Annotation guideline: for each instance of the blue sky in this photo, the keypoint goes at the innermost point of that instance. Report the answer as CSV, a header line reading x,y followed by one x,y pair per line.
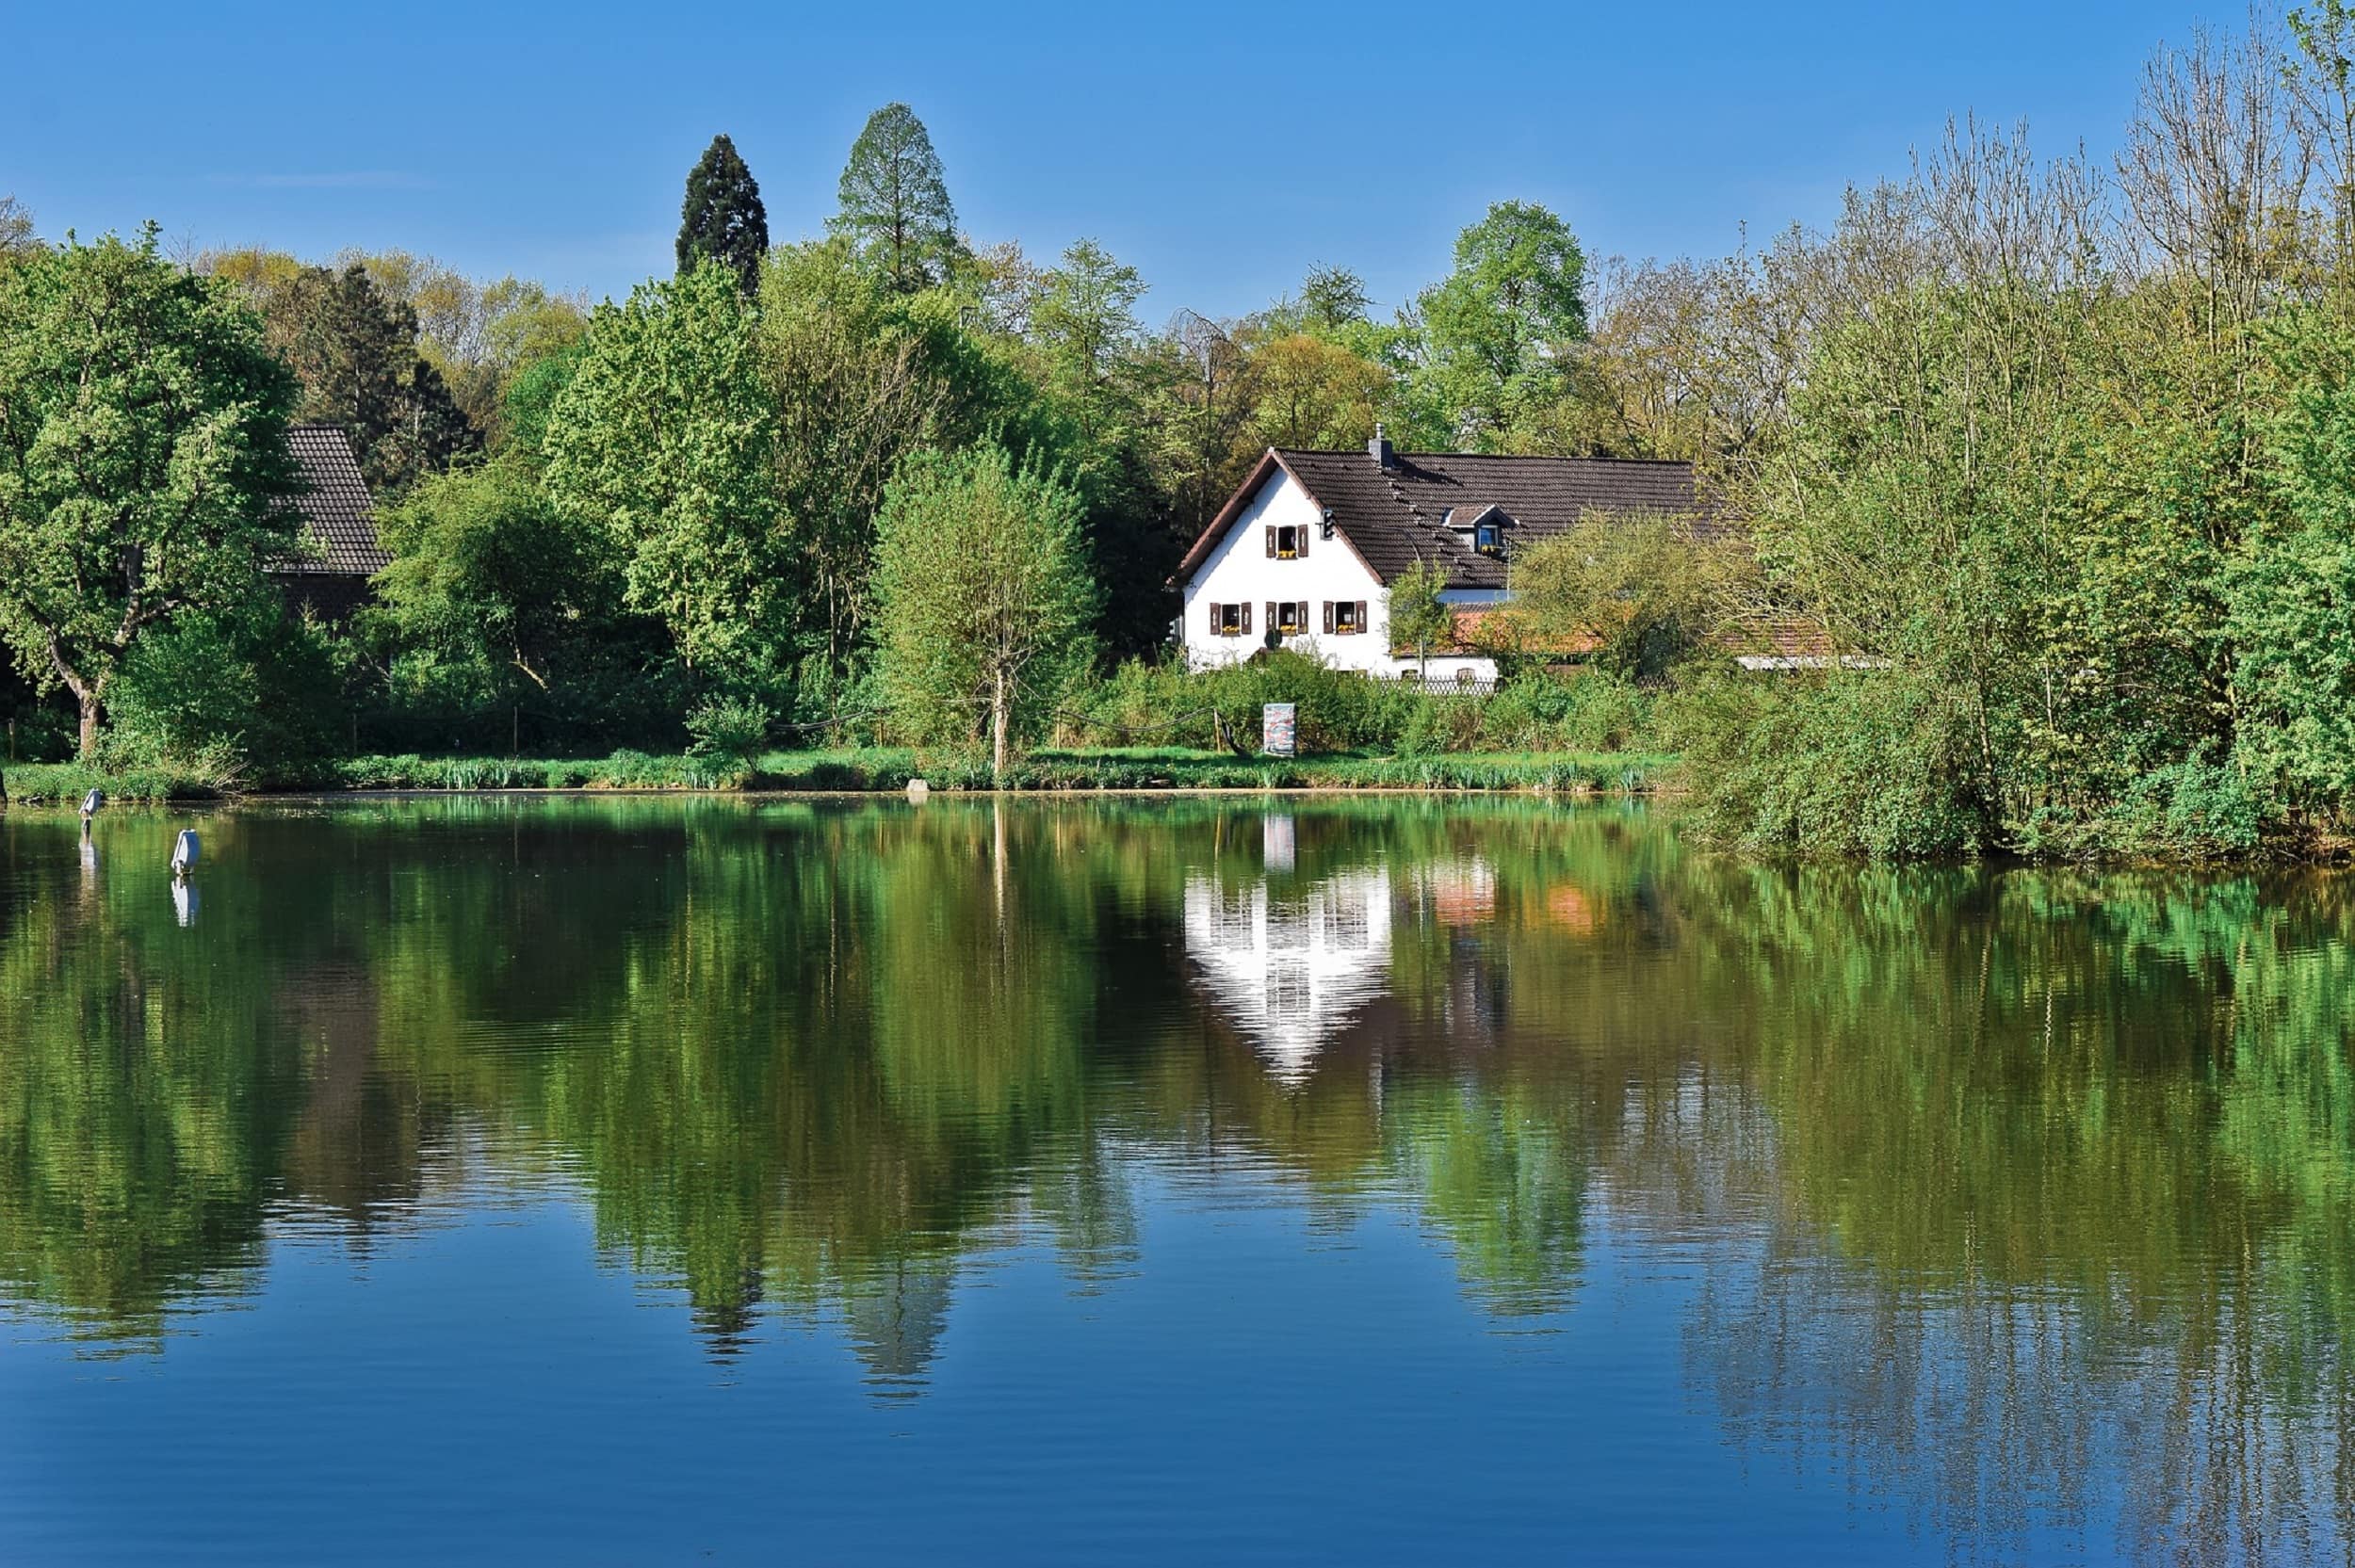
x,y
1220,147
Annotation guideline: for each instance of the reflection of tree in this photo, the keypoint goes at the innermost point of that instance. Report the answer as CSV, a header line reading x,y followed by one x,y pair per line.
x,y
1997,1172
138,1145
2089,1197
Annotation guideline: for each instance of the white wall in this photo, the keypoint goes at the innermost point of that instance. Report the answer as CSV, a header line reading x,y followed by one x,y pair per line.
x,y
1240,571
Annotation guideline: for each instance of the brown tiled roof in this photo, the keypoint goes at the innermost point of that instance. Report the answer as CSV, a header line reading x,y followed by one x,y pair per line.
x,y
1396,516
336,513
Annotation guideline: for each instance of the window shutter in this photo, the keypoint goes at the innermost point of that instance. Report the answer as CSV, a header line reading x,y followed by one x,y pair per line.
x,y
1328,618
1272,622
1361,615
1271,544
1218,622
1301,535
1246,619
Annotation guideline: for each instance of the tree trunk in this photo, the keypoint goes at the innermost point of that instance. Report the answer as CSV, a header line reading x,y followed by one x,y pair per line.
x,y
997,730
89,746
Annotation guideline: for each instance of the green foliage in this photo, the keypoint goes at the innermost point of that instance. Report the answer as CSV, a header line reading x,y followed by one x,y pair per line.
x,y
143,467
355,352
2289,590
733,729
722,219
894,203
857,377
667,438
1634,593
1420,619
1497,329
1341,710
528,407
500,603
249,693
984,597
1860,764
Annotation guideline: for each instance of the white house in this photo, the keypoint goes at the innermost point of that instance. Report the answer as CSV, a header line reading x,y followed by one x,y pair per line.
x,y
1303,553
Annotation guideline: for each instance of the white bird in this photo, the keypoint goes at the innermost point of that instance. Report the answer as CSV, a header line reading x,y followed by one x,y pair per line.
x,y
184,852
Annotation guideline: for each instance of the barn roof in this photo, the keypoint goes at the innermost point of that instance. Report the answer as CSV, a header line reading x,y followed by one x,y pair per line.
x,y
337,510
1399,514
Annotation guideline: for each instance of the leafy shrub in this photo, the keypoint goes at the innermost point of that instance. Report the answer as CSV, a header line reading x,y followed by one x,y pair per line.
x,y
2193,807
1857,764
215,695
730,729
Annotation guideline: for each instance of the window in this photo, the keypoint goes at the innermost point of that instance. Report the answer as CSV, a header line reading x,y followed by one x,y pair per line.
x,y
1287,543
1346,618
1290,619
1488,541
1230,620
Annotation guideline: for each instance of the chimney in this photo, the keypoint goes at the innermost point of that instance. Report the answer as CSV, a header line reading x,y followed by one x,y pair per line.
x,y
1380,448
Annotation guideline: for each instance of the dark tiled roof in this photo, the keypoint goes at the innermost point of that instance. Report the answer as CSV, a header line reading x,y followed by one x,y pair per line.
x,y
1392,516
337,512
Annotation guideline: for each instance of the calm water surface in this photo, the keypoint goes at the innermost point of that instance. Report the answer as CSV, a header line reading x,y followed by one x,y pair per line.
x,y
1185,1181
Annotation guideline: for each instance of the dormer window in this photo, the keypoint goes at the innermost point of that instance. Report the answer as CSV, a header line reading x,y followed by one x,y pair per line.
x,y
1482,531
1287,543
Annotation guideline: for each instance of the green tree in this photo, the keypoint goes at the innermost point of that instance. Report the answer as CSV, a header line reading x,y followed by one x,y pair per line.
x,y
491,584
984,597
477,336
143,464
1497,329
1332,299
894,201
667,437
723,219
1636,591
1086,322
1313,392
356,354
16,230
858,376
2290,587
1420,619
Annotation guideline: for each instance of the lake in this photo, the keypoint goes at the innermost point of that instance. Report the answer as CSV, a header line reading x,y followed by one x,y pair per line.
x,y
1172,1180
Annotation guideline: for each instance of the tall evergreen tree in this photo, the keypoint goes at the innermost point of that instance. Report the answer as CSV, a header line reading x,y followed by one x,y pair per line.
x,y
896,210
722,219
356,354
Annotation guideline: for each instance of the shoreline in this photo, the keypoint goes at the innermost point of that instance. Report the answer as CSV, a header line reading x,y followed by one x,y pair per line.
x,y
875,772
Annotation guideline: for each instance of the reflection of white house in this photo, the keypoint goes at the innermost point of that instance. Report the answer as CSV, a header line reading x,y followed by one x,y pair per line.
x,y
1289,971
1305,553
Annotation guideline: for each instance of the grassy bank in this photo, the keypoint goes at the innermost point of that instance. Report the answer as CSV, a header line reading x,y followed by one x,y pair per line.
x,y
888,769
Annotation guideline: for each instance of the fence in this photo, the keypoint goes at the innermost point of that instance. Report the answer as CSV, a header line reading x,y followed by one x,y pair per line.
x,y
1441,684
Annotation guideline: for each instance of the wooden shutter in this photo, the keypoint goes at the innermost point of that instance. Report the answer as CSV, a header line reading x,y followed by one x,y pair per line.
x,y
1328,618
1361,615
1271,544
1218,621
1301,535
1247,618
1272,622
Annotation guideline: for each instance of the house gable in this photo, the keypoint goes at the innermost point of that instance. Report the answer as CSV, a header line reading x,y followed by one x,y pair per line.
x,y
1243,565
